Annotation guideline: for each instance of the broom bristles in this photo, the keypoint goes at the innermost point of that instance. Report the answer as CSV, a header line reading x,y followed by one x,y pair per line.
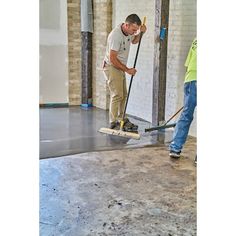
x,y
119,133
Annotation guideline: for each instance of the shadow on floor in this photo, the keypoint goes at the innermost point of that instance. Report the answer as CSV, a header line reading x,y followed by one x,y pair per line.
x,y
73,130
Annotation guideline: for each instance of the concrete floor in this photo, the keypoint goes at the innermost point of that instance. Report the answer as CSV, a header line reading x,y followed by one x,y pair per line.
x,y
137,191
123,192
66,131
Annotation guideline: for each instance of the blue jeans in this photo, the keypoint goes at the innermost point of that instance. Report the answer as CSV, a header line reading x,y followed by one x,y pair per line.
x,y
186,117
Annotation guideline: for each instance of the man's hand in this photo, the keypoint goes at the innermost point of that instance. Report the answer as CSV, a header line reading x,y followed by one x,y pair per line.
x,y
131,71
143,28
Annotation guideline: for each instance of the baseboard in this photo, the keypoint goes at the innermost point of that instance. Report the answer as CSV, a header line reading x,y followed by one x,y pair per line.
x,y
53,105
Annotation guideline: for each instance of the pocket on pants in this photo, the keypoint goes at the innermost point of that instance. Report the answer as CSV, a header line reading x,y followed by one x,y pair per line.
x,y
115,82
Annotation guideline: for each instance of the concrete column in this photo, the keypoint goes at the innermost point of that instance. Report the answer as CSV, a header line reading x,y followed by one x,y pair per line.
x,y
86,65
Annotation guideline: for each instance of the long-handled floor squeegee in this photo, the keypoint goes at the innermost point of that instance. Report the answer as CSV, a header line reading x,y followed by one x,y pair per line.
x,y
121,131
165,125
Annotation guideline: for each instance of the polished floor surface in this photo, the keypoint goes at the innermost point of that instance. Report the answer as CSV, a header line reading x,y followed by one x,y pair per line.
x,y
66,131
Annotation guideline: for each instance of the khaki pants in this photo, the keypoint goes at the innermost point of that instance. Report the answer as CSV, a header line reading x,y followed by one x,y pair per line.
x,y
118,92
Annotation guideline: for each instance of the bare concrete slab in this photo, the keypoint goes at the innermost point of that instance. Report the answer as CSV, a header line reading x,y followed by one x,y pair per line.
x,y
131,192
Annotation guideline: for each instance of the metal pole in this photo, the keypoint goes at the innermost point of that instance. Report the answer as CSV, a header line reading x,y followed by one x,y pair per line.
x,y
86,45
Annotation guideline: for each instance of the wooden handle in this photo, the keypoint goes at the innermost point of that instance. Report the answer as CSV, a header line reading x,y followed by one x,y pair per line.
x,y
144,20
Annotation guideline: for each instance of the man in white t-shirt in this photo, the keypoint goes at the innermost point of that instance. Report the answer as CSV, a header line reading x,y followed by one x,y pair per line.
x,y
114,66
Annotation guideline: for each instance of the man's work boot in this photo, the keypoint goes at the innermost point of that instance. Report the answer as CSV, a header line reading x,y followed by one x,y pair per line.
x,y
114,125
129,126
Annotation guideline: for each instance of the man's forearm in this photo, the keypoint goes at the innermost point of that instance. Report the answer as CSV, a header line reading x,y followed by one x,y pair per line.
x,y
116,63
137,37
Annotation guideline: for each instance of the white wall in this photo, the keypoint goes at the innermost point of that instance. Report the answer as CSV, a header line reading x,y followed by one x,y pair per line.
x,y
140,101
53,52
182,30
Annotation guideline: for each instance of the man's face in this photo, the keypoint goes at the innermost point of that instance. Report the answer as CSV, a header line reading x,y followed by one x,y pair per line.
x,y
132,28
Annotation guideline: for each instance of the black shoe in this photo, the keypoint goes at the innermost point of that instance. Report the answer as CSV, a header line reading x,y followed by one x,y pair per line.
x,y
114,125
129,126
174,154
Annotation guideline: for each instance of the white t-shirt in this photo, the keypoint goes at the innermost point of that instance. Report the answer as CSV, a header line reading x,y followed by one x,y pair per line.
x,y
117,41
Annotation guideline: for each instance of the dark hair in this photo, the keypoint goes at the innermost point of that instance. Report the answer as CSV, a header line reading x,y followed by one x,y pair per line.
x,y
133,19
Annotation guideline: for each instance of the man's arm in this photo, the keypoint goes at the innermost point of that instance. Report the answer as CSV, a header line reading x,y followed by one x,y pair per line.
x,y
117,63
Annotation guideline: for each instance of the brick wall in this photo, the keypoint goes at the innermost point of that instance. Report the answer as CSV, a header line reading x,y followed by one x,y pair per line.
x,y
102,26
182,30
74,51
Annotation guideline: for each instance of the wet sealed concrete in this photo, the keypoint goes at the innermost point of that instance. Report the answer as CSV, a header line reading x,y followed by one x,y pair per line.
x,y
130,192
66,131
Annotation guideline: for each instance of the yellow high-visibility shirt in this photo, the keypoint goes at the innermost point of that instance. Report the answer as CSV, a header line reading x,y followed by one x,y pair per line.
x,y
191,63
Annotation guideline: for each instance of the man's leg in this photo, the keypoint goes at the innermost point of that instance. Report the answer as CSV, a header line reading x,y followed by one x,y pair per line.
x,y
185,120
128,126
115,84
124,97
